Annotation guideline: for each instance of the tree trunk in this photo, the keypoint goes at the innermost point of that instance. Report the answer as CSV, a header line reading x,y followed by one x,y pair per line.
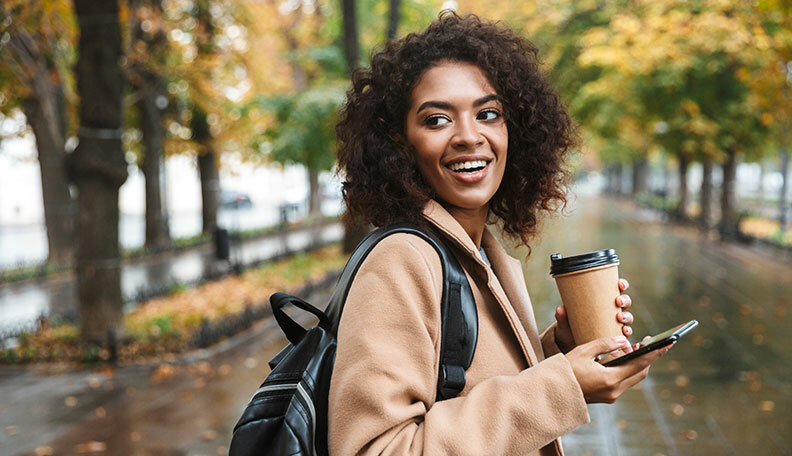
x,y
353,232
681,210
760,187
639,177
314,201
46,115
666,189
782,197
98,168
728,223
210,189
147,51
45,112
706,192
618,179
393,19
157,231
612,186
351,49
207,169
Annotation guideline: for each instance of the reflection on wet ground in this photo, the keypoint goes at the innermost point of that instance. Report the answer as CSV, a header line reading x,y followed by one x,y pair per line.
x,y
22,303
181,408
723,390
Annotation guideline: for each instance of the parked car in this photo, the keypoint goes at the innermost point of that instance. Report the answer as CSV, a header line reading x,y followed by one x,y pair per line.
x,y
230,199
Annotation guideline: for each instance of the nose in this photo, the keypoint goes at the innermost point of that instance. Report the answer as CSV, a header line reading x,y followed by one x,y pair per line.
x,y
466,134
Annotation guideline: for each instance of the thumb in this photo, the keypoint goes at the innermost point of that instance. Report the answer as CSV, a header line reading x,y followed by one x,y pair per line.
x,y
603,345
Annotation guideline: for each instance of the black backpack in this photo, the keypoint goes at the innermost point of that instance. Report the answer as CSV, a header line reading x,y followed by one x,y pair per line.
x,y
288,413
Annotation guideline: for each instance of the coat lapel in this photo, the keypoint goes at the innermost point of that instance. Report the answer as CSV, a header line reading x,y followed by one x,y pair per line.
x,y
510,275
506,290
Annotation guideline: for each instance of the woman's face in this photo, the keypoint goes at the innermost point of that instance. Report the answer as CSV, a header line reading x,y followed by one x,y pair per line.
x,y
456,125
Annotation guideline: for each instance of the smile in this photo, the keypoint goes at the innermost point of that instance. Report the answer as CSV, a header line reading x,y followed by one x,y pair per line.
x,y
468,166
470,171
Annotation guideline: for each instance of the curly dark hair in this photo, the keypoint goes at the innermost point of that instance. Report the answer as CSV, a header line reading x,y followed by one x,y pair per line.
x,y
382,182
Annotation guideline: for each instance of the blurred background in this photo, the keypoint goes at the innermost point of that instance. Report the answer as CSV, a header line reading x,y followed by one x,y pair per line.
x,y
165,165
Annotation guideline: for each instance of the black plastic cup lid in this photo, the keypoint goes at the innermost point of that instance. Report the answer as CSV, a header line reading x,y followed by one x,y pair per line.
x,y
561,265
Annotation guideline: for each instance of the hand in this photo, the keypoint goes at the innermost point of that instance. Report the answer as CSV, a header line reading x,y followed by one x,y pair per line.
x,y
563,332
626,318
606,384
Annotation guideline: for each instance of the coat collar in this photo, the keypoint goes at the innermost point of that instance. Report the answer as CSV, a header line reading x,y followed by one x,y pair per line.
x,y
504,278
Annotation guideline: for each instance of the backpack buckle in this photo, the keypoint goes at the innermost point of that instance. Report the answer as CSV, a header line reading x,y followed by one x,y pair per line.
x,y
451,381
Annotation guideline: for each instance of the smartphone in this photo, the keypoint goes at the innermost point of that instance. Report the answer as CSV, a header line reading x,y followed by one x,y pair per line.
x,y
659,341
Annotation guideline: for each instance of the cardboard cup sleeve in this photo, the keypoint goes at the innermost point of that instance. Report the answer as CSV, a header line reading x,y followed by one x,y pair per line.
x,y
589,296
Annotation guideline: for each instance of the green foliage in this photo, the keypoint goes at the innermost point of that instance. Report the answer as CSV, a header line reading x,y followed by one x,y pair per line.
x,y
304,131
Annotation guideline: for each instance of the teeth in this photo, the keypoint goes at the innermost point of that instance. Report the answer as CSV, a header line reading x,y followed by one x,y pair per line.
x,y
467,165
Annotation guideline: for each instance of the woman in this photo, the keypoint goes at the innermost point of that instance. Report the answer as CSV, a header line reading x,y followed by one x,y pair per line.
x,y
456,127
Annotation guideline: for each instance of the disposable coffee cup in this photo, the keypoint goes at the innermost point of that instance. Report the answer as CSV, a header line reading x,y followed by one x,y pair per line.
x,y
589,286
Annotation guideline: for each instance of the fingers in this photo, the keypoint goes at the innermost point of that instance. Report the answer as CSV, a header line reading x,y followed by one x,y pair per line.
x,y
603,345
624,301
560,314
623,285
642,362
627,331
625,318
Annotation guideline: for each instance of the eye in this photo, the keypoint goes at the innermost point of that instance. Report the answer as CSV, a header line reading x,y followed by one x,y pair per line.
x,y
489,114
436,121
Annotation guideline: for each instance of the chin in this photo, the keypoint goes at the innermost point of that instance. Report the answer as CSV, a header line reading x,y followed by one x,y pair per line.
x,y
469,202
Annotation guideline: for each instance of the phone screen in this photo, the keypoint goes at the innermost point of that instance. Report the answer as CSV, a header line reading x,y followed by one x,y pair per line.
x,y
663,335
653,343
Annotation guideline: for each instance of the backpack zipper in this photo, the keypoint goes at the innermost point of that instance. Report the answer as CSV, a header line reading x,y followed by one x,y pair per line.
x,y
277,387
307,399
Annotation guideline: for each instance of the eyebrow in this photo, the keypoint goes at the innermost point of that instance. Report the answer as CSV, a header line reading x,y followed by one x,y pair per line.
x,y
447,105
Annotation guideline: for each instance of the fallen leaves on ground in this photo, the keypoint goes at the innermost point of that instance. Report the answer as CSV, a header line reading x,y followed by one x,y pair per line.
x,y
90,447
163,372
767,406
166,325
44,451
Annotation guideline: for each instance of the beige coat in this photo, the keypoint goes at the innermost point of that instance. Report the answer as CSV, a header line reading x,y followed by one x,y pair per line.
x,y
521,394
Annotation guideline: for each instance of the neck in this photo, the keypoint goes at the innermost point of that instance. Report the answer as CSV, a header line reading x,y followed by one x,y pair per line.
x,y
472,221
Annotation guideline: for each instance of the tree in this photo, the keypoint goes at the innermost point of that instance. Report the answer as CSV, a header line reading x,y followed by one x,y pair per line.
x,y
98,169
147,54
33,79
772,86
393,18
305,132
354,232
207,79
684,63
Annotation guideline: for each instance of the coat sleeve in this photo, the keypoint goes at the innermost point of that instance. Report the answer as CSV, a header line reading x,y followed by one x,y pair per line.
x,y
549,345
382,394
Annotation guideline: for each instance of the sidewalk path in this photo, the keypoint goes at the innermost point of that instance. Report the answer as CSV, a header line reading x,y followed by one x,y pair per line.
x,y
21,303
726,389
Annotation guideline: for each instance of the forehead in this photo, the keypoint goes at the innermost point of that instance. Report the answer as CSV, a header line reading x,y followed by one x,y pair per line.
x,y
452,81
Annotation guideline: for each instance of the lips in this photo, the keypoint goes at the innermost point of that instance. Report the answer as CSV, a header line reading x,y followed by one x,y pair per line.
x,y
469,169
468,163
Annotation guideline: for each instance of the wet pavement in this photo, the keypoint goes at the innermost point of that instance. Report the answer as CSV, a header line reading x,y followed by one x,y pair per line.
x,y
725,389
186,407
22,303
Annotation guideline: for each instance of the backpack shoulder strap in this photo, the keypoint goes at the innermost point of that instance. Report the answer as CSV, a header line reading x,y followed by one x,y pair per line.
x,y
459,318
